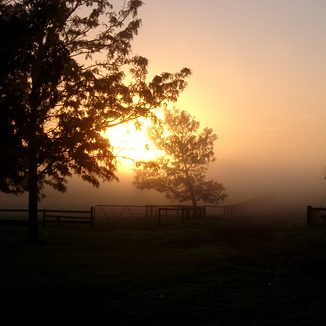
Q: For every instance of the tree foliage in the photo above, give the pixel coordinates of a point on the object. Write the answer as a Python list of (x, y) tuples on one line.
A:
[(62, 84), (180, 172)]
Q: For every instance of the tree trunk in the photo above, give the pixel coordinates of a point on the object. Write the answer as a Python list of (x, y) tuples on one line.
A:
[(192, 193), (32, 174), (194, 203), (35, 101), (32, 193)]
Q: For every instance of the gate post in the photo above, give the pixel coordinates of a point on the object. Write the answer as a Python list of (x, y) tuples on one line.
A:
[(309, 215)]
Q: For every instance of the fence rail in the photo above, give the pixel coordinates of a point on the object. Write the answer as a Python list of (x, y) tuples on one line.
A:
[(113, 214), (186, 212), (62, 216), (55, 215)]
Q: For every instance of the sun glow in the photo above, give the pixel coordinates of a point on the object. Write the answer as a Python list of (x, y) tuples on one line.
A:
[(130, 144)]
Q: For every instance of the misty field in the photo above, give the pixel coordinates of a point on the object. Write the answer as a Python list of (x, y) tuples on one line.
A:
[(213, 271)]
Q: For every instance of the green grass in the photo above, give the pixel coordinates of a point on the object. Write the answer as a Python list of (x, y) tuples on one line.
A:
[(206, 272)]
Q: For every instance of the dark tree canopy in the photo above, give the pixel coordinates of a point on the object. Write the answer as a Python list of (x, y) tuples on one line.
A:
[(180, 172), (63, 65)]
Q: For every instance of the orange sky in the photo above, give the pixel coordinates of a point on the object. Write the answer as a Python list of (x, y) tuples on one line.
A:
[(259, 77)]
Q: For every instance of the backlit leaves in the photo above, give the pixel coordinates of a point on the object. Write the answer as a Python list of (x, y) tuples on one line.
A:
[(62, 83), (180, 173)]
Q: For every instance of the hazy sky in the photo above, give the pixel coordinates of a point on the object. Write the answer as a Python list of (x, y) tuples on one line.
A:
[(259, 80)]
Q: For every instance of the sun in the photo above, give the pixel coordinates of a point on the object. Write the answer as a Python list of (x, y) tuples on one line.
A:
[(130, 144)]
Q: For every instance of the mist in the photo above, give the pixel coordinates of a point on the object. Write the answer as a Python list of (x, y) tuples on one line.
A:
[(287, 191), (286, 194)]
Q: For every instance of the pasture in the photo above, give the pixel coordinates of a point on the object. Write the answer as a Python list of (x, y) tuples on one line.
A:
[(213, 271)]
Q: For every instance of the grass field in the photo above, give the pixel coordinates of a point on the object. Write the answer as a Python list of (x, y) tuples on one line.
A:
[(213, 271)]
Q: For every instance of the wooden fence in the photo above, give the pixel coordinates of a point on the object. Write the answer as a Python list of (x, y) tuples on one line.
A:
[(134, 213), (53, 216), (187, 212), (158, 213), (62, 216)]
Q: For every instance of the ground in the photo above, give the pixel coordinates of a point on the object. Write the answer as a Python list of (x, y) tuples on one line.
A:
[(214, 271)]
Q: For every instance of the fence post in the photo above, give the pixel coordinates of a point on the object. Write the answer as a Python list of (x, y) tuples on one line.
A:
[(92, 216), (58, 220), (159, 216), (309, 215)]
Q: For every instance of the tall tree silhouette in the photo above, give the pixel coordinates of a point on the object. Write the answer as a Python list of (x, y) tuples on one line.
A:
[(63, 66), (186, 154)]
